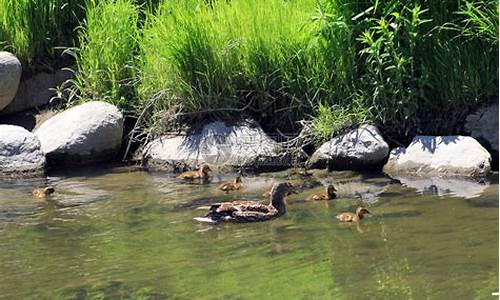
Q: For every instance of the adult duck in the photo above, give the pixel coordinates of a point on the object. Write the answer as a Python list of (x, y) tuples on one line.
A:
[(249, 211), (201, 173), (291, 189), (231, 186), (328, 194), (43, 192), (353, 217)]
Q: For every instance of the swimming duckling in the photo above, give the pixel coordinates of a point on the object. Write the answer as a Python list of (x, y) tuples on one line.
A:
[(202, 173), (328, 194), (351, 217), (231, 186), (43, 192), (249, 211)]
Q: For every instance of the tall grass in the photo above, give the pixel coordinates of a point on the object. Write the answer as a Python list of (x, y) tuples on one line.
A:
[(411, 66), (32, 29), (251, 54), (106, 59)]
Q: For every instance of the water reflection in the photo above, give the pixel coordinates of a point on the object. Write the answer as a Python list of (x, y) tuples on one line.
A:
[(458, 187), (131, 235)]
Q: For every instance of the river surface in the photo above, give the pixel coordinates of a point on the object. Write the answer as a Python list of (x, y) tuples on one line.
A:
[(118, 233)]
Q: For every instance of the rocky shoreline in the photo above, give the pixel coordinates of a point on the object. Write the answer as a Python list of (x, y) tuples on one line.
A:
[(93, 132)]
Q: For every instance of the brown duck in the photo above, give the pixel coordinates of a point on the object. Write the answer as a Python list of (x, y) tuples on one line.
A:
[(353, 217), (43, 192), (202, 173), (291, 190), (327, 194), (231, 186), (249, 211)]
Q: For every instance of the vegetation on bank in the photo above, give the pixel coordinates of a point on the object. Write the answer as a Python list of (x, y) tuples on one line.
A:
[(411, 66)]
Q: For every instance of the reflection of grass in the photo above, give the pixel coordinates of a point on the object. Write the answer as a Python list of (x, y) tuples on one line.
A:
[(393, 282), (141, 245), (489, 286)]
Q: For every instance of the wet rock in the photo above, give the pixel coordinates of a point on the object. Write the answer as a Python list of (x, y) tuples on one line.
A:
[(243, 145), (440, 155), (363, 148), (37, 91), (10, 75), (458, 187), (20, 153), (87, 133), (483, 126)]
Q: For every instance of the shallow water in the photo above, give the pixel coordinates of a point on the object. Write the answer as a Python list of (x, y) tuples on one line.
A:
[(122, 234)]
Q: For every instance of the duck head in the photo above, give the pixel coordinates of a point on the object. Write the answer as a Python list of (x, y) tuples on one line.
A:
[(331, 191), (278, 193), (205, 169), (361, 211), (48, 190)]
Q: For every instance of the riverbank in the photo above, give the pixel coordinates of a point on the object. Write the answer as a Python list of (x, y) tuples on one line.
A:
[(333, 64)]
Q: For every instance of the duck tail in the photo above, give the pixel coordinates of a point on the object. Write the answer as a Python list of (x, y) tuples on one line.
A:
[(205, 220)]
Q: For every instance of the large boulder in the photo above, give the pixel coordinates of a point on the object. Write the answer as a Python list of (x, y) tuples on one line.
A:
[(218, 144), (483, 126), (10, 75), (440, 155), (87, 133), (362, 148), (37, 91), (20, 153)]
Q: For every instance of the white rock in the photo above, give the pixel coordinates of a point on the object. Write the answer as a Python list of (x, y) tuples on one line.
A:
[(244, 145), (10, 75), (87, 133), (20, 153), (360, 149), (440, 155)]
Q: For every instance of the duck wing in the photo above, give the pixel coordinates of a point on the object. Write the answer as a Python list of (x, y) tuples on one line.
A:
[(254, 216)]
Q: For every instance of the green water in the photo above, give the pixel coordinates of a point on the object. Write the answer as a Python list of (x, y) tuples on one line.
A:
[(121, 234)]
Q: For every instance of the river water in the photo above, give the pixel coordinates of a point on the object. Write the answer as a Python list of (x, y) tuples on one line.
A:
[(119, 233)]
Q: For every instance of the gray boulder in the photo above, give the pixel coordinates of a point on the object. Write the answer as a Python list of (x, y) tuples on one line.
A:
[(37, 91), (363, 148), (20, 153), (10, 75), (87, 133), (220, 145), (483, 126), (440, 155)]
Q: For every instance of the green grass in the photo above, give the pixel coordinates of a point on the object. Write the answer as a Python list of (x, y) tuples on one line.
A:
[(106, 58), (33, 29), (410, 66)]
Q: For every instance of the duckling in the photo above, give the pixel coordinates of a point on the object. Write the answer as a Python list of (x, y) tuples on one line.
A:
[(351, 217), (328, 194), (43, 192), (202, 173), (231, 186), (249, 211)]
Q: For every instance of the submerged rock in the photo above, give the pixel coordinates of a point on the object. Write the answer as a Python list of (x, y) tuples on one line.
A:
[(87, 133), (239, 146), (483, 126), (20, 153), (363, 148), (10, 75), (440, 155), (37, 91)]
